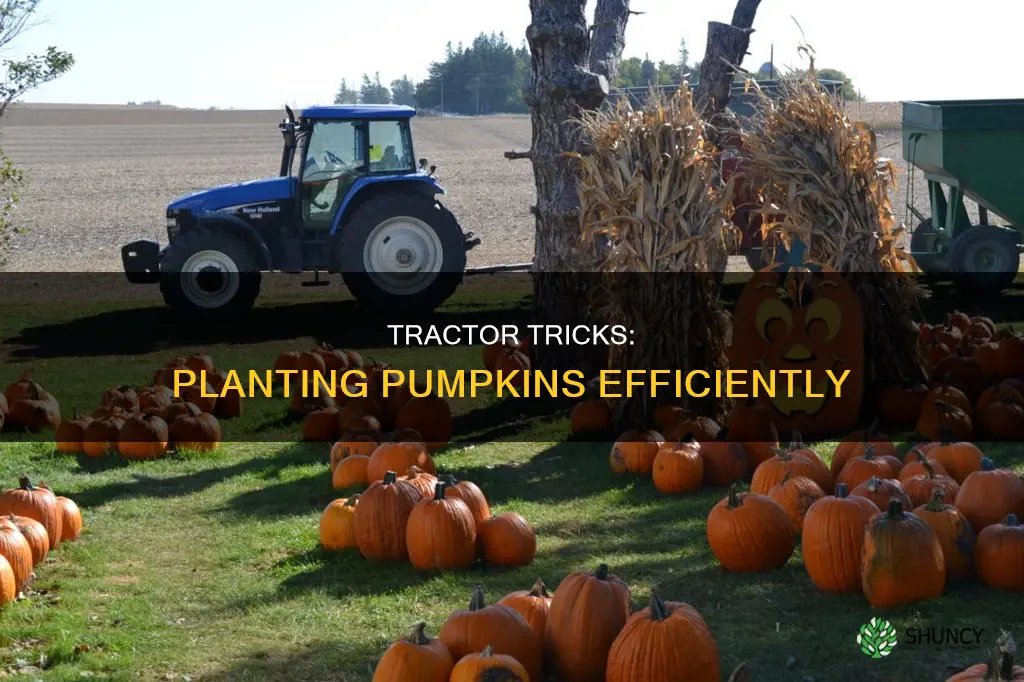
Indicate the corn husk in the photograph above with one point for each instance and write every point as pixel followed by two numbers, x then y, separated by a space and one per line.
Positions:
pixel 647 190
pixel 821 181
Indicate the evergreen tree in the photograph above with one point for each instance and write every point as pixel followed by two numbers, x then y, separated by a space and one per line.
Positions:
pixel 346 95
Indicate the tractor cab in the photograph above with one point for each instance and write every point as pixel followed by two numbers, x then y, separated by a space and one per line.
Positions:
pixel 350 198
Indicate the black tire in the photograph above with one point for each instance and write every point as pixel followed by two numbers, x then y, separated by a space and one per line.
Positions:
pixel 924 238
pixel 415 290
pixel 229 293
pixel 985 258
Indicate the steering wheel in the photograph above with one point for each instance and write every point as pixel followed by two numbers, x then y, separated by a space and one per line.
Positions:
pixel 333 158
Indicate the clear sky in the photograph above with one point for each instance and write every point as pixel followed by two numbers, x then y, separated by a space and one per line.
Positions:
pixel 262 53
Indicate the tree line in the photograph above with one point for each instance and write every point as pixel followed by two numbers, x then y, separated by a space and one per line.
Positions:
pixel 489 76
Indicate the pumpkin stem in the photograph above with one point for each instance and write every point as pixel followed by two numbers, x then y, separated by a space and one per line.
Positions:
pixel 488 651
pixel 24 484
pixel 418 636
pixel 351 501
pixel 659 611
pixel 874 428
pixel 1011 520
pixel 439 491
pixel 1000 667
pixel 688 438
pixel 477 602
pixel 390 477
pixel 872 484
pixel 895 509
pixel 723 434
pixel 927 466
pixel 946 435
pixel 796 442
pixel 734 495
pixel 539 589
pixel 936 504
pixel 842 490
pixel 987 464
pixel 602 572
pixel 869 451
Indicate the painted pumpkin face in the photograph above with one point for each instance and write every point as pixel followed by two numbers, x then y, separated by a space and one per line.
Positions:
pixel 805 319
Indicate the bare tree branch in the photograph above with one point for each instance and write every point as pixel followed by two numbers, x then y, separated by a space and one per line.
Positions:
pixel 609 38
pixel 512 156
pixel 726 47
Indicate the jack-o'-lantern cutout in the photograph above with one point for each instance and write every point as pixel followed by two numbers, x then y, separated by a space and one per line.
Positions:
pixel 803 317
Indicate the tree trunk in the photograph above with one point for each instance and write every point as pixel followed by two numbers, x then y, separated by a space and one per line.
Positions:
pixel 727 46
pixel 562 84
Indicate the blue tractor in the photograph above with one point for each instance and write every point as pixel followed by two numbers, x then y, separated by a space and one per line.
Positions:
pixel 350 199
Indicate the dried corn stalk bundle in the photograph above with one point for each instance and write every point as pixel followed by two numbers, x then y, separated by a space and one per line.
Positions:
pixel 820 180
pixel 647 190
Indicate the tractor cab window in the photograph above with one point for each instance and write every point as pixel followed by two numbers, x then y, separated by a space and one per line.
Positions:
pixel 390 147
pixel 334 159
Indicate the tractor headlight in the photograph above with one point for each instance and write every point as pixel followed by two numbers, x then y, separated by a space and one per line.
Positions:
pixel 172 227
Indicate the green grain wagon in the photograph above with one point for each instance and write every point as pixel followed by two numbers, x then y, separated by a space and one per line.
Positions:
pixel 973 149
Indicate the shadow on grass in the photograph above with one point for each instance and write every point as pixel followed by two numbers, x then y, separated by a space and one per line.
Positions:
pixel 143 330
pixel 316 660
pixel 143 485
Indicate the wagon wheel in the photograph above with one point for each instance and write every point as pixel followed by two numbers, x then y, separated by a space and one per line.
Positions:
pixel 985 258
pixel 925 238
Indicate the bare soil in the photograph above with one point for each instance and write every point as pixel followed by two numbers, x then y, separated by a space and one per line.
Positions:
pixel 98 177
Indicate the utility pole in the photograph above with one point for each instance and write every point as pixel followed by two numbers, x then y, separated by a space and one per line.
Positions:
pixel 771 63
pixel 478 97
pixel 442 96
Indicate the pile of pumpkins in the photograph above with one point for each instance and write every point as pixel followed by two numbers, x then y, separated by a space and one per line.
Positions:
pixel 434 523
pixel 144 423
pixel 896 530
pixel 978 384
pixel 33 521
pixel 325 418
pixel 585 632
pixel 26 406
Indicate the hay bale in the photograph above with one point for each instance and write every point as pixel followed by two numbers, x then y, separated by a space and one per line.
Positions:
pixel 821 181
pixel 647 190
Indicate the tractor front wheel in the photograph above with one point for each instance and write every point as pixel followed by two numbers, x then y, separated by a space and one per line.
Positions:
pixel 209 273
pixel 402 252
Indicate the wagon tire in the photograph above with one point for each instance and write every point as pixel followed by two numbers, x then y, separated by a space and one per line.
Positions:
pixel 924 238
pixel 209 273
pixel 985 258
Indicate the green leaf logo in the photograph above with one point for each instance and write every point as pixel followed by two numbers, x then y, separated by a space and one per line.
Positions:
pixel 877 638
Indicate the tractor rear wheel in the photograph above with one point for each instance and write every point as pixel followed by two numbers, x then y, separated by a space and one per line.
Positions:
pixel 209 273
pixel 402 251
pixel 985 259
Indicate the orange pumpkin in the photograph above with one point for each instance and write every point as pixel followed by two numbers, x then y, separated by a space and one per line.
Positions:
pixel 833 538
pixel 37 503
pixel 35 534
pixel 424 483
pixel 473 629
pixel 8 586
pixel 954 533
pixel 488 665
pixel 143 436
pixel 381 518
pixel 590 417
pixel 902 562
pixel 939 417
pixel 678 467
pixel 900 405
pixel 17 551
pixel 860 469
pixel 441 533
pixel 533 605
pixel 856 444
pixel 470 493
pixel 430 416
pixel 987 496
pixel 773 471
pixel 587 613
pixel 923 487
pixel 916 463
pixel 725 462
pixel 101 435
pixel 195 430
pixel 665 642
pixel 749 532
pixel 636 450
pixel 690 424
pixel 352 445
pixel 999 555
pixel 959 459
pixel 351 472
pixel 398 457
pixel 337 524
pixel 881 490
pixel 71 519
pixel 507 540
pixel 70 435
pixel 796 495
pixel 416 658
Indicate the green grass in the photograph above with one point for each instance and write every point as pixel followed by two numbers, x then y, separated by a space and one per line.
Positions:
pixel 209 566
